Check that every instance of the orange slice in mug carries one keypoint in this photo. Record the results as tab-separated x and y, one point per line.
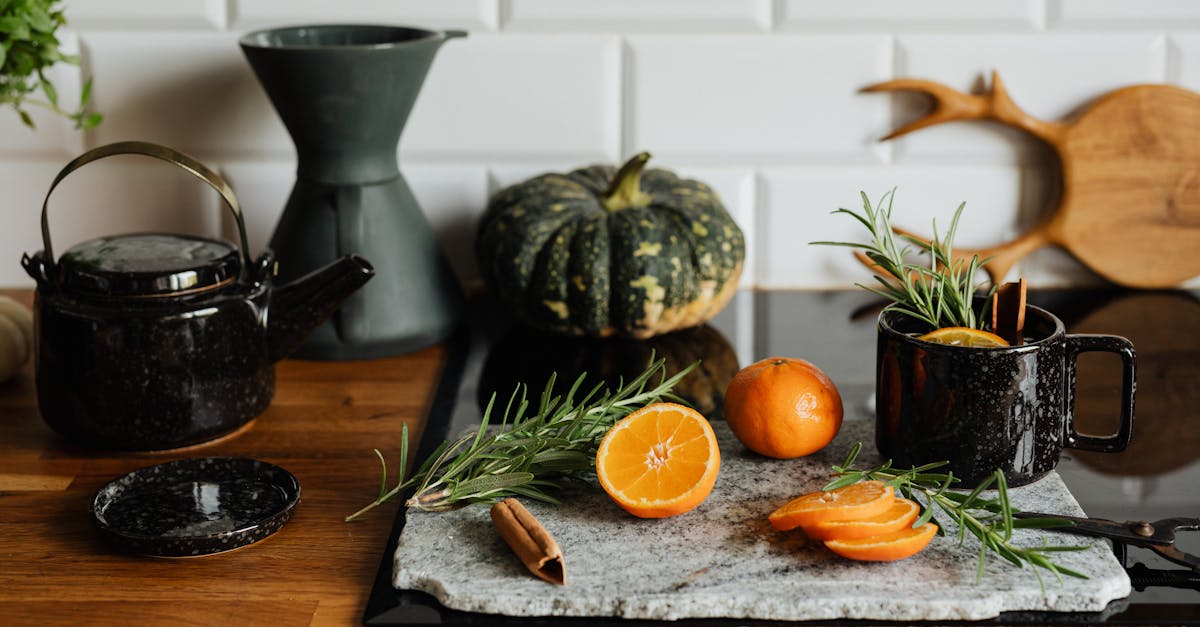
964	336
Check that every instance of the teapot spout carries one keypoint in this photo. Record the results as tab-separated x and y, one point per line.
297	308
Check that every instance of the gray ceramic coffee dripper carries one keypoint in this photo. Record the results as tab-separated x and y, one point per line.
344	93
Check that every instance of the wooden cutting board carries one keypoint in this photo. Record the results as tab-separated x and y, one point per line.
1130	168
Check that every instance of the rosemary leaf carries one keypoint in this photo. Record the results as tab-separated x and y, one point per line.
989	520
939	292
533	493
483	486
532	447
382	473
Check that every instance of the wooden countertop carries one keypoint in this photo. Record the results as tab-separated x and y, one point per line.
322	425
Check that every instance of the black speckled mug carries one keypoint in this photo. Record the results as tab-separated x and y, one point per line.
984	409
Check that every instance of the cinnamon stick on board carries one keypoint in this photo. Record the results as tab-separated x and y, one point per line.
529	540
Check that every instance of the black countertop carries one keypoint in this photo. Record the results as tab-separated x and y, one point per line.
1156	477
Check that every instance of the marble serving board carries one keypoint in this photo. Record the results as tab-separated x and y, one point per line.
723	559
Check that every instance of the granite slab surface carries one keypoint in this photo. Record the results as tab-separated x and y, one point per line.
723	559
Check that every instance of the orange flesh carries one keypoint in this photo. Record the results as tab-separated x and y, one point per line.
902	514
965	336
659	461
853	502
887	547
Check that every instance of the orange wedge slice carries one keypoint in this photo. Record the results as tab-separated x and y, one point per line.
856	501
888	547
902	514
964	336
659	461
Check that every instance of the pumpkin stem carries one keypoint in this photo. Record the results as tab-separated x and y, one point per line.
625	190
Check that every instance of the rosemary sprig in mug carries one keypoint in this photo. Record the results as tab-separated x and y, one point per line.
989	520
939	292
528	454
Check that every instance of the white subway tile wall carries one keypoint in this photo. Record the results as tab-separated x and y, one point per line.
760	98
660	16
752	98
1047	76
951	16
152	15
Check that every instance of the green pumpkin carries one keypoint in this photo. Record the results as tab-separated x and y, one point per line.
601	251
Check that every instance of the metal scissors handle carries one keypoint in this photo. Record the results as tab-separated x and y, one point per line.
1158	536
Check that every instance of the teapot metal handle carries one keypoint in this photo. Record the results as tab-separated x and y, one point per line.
148	149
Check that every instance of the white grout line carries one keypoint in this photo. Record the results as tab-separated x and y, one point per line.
219	13
495	13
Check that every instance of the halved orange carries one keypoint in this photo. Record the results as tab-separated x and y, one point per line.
888	547
659	461
856	501
965	336
903	513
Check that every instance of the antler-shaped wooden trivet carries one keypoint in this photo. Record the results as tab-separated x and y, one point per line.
1130	202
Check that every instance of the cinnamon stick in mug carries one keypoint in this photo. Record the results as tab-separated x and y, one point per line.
1008	311
529	540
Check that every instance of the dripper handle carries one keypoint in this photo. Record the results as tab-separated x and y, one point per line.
157	151
453	34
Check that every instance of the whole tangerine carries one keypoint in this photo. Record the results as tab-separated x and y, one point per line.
783	407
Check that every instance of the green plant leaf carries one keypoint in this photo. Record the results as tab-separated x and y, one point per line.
90	121
28	47
50	92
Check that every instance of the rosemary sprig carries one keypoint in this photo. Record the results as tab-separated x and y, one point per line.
939	292
529	453
989	520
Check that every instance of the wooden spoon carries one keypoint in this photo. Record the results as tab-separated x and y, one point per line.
1130	203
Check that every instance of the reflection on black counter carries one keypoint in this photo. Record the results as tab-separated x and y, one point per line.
523	355
1155	478
1163	328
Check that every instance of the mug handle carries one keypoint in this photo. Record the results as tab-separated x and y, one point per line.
1089	343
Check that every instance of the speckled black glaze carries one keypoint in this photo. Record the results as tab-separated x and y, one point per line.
983	409
136	373
154	341
195	507
156	376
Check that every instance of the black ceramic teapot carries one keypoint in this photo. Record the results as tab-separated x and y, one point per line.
154	341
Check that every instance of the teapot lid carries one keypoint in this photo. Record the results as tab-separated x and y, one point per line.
149	265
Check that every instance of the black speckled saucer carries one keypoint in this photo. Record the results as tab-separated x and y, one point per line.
195	507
